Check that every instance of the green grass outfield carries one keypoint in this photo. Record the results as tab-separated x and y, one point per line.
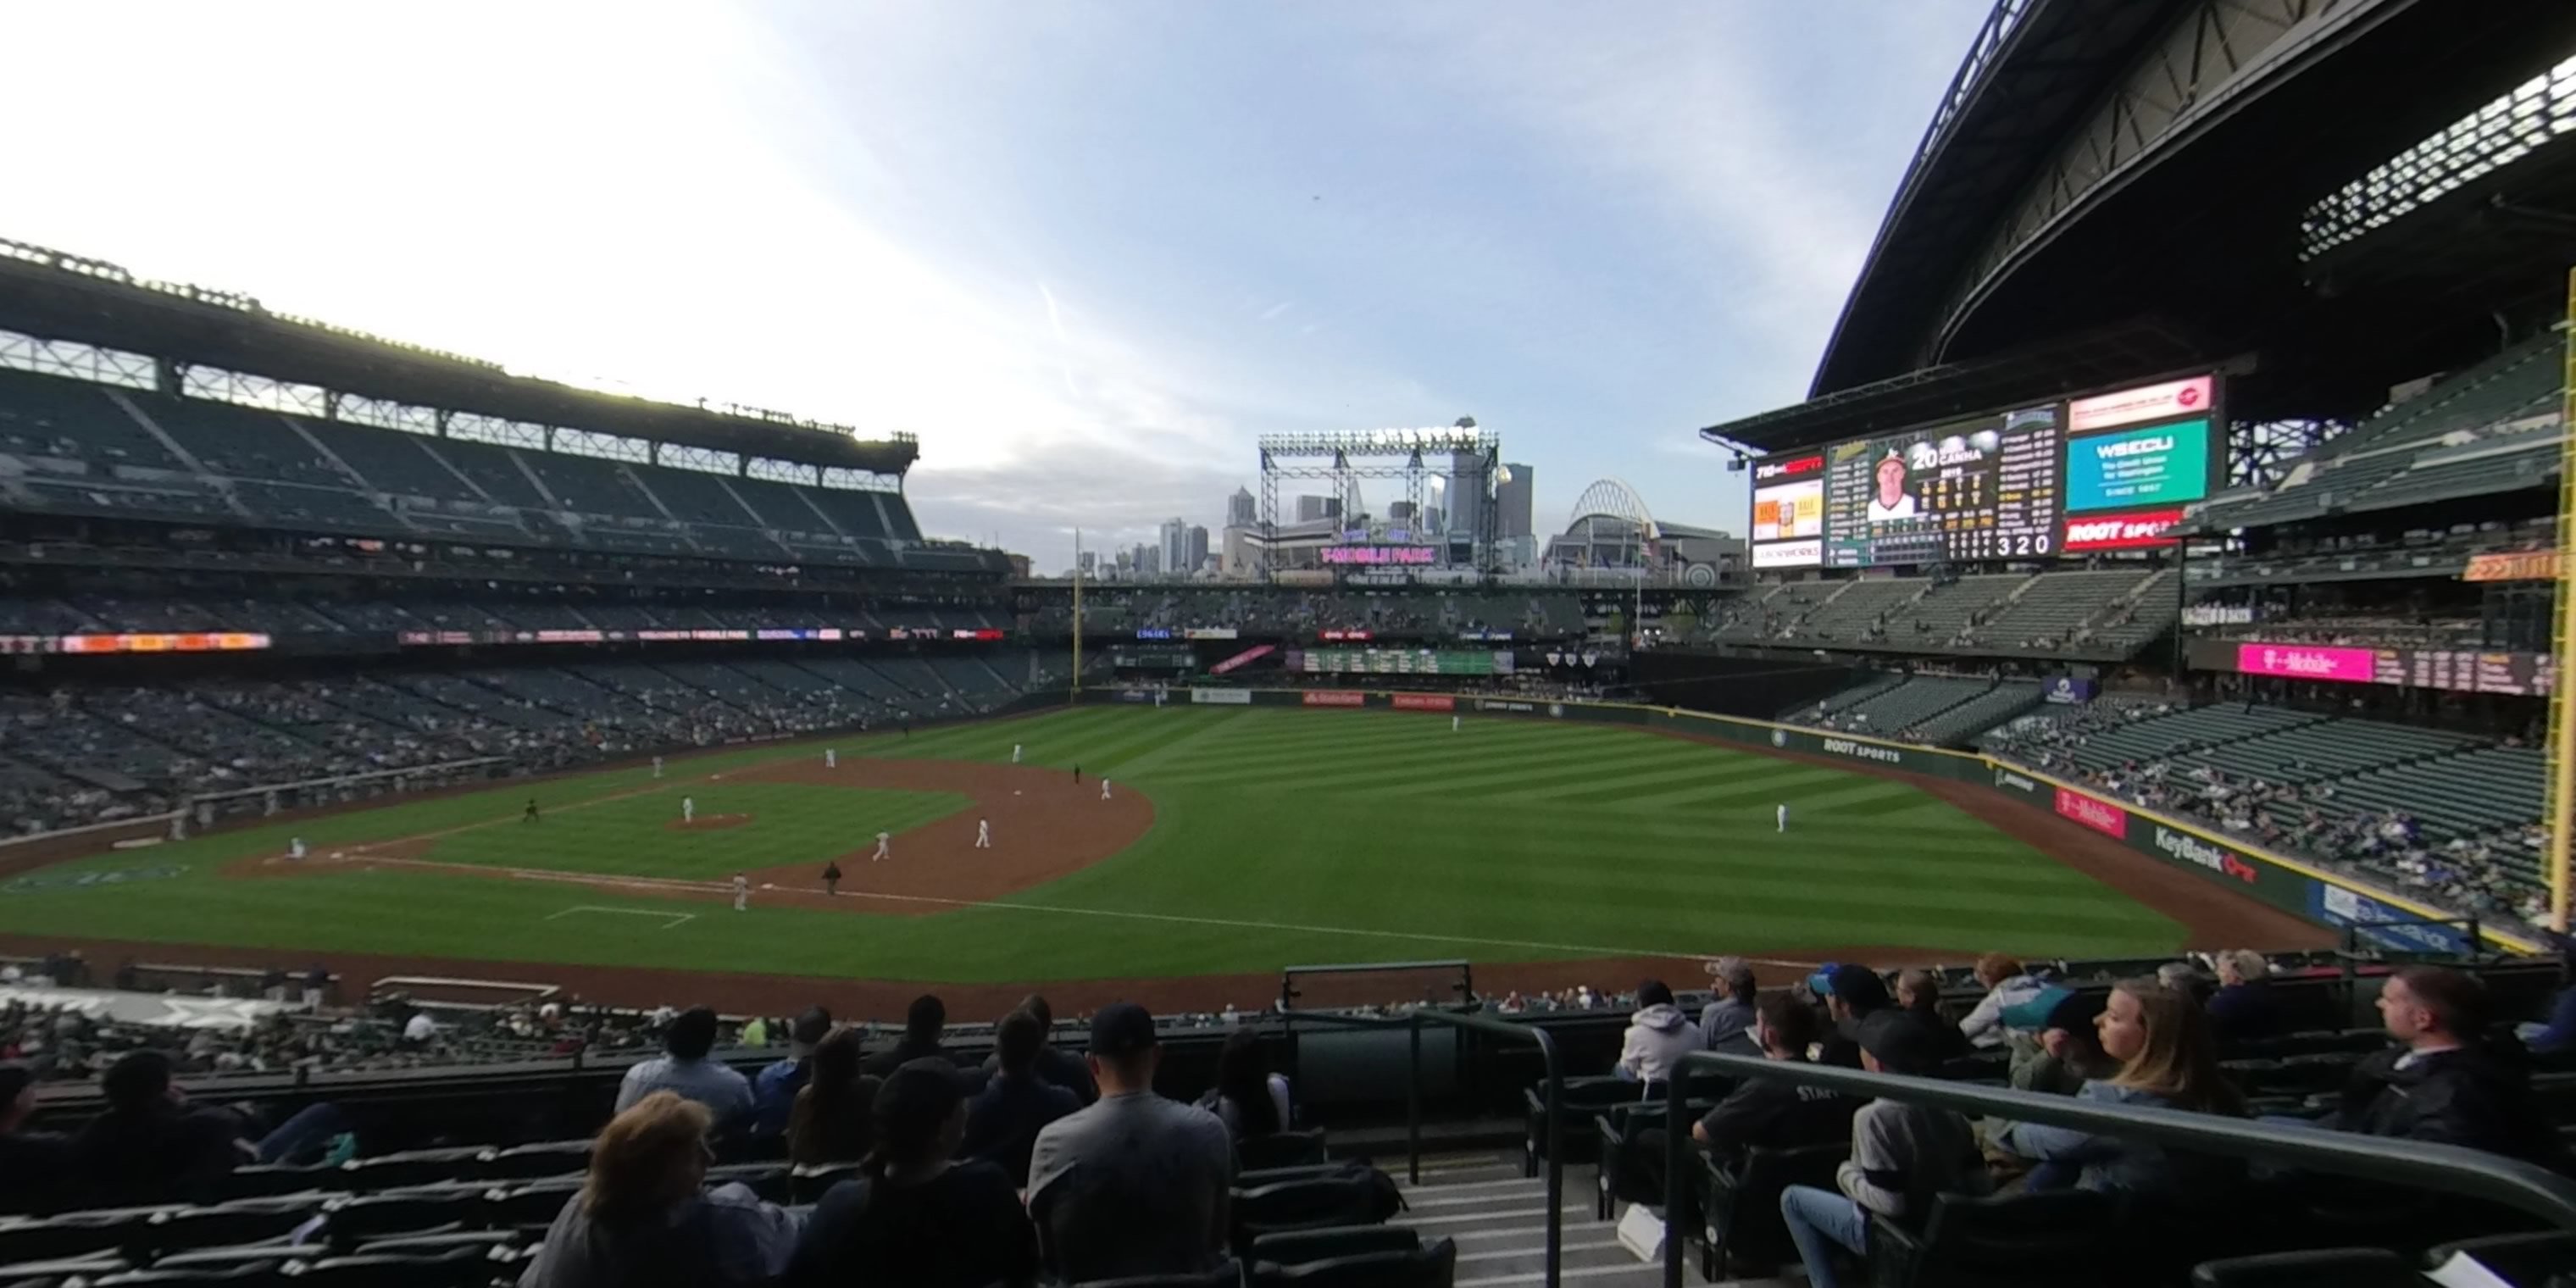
1281	836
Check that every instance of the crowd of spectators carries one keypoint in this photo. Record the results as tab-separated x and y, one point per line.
1039	1163
74	756
2482	874
2451	1075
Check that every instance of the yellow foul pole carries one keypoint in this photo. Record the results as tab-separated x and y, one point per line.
2562	731
1077	611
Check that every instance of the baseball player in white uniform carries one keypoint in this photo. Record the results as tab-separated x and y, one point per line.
983	834
1104	789
688	809
831	758
741	892
295	848
884	842
1783	814
657	766
1453	724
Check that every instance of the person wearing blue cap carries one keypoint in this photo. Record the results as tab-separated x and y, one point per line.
1134	1184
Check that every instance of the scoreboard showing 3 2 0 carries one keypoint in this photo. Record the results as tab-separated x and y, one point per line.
2111	471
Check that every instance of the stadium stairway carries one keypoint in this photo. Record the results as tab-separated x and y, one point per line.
1499	1219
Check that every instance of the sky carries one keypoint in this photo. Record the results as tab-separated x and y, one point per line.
1087	252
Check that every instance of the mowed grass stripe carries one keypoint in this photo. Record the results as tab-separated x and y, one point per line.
1260	747
1464	779
1625	787
1330	764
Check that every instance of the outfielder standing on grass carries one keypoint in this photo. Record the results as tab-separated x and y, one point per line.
832	877
531	815
657	766
741	892
1015	753
1783	813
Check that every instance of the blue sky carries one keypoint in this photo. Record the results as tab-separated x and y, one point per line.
1086	251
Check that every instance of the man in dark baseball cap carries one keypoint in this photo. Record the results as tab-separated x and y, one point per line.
1135	1184
1851	993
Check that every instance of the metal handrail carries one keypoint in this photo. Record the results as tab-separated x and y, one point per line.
1555	1077
2448	1168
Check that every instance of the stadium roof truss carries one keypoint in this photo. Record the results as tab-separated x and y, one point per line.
1462	453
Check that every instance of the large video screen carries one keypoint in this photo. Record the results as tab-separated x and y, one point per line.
1984	488
1789	512
2113	471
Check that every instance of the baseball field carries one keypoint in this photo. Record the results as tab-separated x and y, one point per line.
1229	842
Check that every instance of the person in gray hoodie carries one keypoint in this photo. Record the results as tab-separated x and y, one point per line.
1903	1155
2007	984
1658	1035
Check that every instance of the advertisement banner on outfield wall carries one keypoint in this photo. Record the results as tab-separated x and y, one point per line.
2102	816
1135	695
1425	702
1333	698
1222	697
2385	926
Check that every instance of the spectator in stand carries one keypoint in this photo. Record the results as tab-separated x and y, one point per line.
923	1025
1002	1123
1771	1113
2070	1048
1054	1063
1252	1100
1852	994
645	1219
1134	1184
1902	1156
1918	993
1657	1036
773	1093
2167	1061
2445	1082
683	1067
913	1216
2007	984
36	1167
833	1117
1729	1013
151	1146
2556	1035
2244	1009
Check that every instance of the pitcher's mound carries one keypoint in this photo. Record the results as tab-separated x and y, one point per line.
709	823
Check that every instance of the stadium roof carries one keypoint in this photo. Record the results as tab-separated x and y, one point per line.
2077	364
2035	65
2104	160
63	297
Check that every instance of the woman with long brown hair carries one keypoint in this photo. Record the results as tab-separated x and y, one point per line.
644	1218
2168	1060
830	1121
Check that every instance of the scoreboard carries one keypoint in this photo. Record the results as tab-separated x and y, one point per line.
2112	471
1400	661
1975	489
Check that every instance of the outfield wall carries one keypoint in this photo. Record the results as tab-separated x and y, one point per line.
2299	888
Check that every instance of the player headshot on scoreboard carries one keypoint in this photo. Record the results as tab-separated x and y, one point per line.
1890	499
